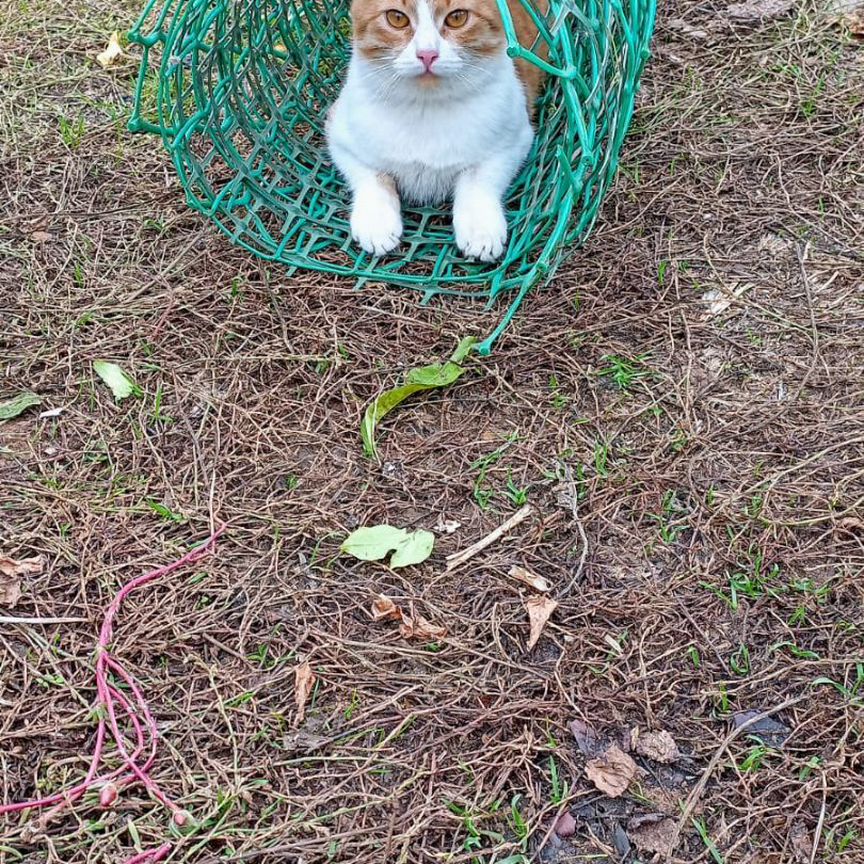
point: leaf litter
(12, 572)
(612, 772)
(539, 609)
(411, 626)
(522, 574)
(658, 746)
(113, 52)
(304, 681)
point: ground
(682, 409)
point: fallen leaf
(538, 583)
(719, 300)
(17, 405)
(417, 380)
(23, 567)
(657, 746)
(304, 681)
(378, 541)
(587, 739)
(759, 10)
(121, 385)
(41, 236)
(415, 549)
(771, 732)
(612, 772)
(654, 836)
(113, 52)
(621, 842)
(539, 610)
(11, 572)
(417, 627)
(411, 626)
(10, 592)
(384, 609)
(448, 526)
(565, 826)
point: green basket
(238, 90)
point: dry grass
(707, 450)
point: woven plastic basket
(238, 91)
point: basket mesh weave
(238, 91)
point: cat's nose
(428, 58)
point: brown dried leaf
(113, 52)
(538, 583)
(384, 609)
(25, 567)
(419, 628)
(10, 591)
(653, 836)
(304, 681)
(11, 572)
(658, 746)
(539, 609)
(612, 772)
(587, 739)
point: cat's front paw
(480, 228)
(376, 223)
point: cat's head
(428, 42)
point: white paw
(481, 229)
(376, 223)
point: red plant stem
(135, 711)
(152, 855)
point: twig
(459, 558)
(818, 834)
(12, 619)
(573, 496)
(699, 788)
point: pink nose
(428, 58)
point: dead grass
(718, 460)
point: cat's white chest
(425, 145)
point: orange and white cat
(433, 109)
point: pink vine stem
(113, 706)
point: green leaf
(373, 544)
(463, 349)
(17, 405)
(122, 386)
(414, 549)
(417, 380)
(377, 542)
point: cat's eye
(456, 19)
(397, 19)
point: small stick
(818, 835)
(12, 619)
(458, 558)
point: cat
(432, 109)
